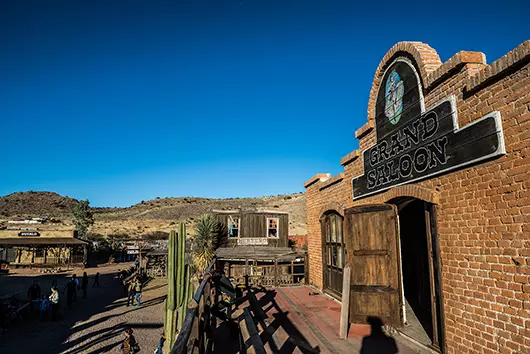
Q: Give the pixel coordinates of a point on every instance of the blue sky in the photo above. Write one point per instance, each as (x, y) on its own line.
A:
(123, 101)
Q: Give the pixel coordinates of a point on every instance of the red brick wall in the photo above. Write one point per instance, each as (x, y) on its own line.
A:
(483, 211)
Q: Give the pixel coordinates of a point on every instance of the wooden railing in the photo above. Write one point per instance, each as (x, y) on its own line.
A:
(195, 335)
(277, 274)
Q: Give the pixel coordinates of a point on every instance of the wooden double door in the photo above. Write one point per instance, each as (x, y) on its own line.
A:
(373, 251)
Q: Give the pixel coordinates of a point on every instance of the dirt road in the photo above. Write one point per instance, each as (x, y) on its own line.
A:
(95, 324)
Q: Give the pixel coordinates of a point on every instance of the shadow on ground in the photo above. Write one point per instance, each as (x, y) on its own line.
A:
(49, 337)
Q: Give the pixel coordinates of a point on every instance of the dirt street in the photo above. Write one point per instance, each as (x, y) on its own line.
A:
(93, 325)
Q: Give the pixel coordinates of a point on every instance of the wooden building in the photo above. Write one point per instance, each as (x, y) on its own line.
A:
(431, 214)
(258, 248)
(43, 245)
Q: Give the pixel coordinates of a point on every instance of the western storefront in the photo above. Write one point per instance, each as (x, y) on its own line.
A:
(432, 212)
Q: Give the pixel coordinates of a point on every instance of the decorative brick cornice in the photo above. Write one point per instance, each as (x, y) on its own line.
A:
(352, 156)
(365, 129)
(321, 177)
(332, 180)
(458, 60)
(511, 58)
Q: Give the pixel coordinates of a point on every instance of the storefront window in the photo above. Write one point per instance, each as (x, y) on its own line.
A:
(272, 227)
(233, 226)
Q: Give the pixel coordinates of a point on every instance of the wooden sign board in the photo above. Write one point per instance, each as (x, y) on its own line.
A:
(252, 241)
(413, 144)
(28, 233)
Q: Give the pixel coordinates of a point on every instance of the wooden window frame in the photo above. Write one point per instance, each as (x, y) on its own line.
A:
(277, 227)
(231, 219)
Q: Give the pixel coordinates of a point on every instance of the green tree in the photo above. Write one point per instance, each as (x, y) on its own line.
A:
(83, 218)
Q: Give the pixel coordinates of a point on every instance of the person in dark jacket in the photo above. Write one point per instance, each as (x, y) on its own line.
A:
(70, 291)
(76, 287)
(96, 280)
(84, 284)
(34, 296)
(129, 345)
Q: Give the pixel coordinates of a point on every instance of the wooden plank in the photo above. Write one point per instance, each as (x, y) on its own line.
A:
(345, 304)
(372, 234)
(435, 339)
(306, 268)
(256, 344)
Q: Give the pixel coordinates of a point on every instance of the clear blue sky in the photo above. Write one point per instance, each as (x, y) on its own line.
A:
(123, 101)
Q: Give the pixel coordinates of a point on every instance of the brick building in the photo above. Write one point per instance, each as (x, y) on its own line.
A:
(432, 212)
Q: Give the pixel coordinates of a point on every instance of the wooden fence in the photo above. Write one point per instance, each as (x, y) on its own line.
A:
(195, 334)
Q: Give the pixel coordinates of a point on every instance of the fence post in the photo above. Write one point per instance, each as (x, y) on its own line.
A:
(306, 268)
(275, 271)
(345, 306)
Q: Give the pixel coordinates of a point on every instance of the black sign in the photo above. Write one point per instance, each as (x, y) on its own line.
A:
(412, 146)
(28, 233)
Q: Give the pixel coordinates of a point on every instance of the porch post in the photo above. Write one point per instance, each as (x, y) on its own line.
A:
(345, 305)
(85, 255)
(275, 272)
(306, 268)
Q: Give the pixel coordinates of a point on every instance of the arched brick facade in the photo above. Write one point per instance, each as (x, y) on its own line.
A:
(426, 59)
(483, 209)
(411, 190)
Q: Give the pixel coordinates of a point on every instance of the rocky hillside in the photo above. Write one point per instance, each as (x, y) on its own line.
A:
(36, 204)
(159, 214)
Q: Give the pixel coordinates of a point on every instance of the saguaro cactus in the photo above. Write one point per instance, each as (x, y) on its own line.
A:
(179, 289)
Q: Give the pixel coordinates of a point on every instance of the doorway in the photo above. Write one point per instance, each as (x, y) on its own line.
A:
(420, 269)
(332, 253)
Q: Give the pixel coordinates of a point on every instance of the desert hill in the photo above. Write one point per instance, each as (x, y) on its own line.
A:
(160, 214)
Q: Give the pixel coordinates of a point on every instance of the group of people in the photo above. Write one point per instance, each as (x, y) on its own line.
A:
(50, 303)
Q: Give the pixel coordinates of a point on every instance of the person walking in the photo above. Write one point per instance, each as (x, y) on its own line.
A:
(84, 284)
(76, 286)
(96, 280)
(33, 296)
(130, 292)
(138, 291)
(54, 300)
(44, 308)
(70, 291)
(129, 344)
(160, 348)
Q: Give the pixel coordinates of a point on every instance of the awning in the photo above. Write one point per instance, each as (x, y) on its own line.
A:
(38, 241)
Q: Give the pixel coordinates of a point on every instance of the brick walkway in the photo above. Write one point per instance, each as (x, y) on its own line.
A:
(312, 322)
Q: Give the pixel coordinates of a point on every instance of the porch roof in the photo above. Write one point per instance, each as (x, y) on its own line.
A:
(29, 241)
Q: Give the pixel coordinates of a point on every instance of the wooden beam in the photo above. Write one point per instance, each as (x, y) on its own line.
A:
(345, 306)
(275, 271)
(306, 268)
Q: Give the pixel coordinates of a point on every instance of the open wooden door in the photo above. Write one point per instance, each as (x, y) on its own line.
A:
(372, 234)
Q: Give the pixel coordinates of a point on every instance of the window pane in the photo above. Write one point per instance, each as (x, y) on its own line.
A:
(339, 229)
(334, 255)
(333, 229)
(327, 228)
(339, 256)
(329, 255)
